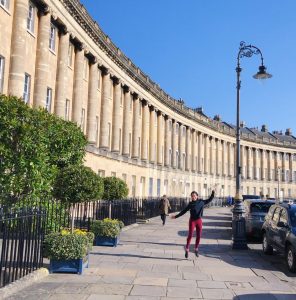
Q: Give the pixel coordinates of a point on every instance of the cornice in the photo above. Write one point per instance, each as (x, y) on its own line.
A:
(92, 29)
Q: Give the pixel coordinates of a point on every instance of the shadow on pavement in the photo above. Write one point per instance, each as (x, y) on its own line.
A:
(266, 296)
(226, 218)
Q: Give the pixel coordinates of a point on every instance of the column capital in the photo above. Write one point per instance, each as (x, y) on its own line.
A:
(135, 95)
(145, 102)
(116, 80)
(105, 70)
(126, 88)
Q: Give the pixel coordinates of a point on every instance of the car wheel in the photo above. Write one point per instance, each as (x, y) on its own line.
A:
(267, 249)
(291, 258)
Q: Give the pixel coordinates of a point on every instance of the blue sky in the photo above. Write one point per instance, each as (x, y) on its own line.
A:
(190, 47)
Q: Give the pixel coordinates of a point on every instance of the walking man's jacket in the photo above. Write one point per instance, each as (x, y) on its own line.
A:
(196, 208)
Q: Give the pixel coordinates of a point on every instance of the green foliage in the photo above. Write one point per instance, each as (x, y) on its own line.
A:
(107, 227)
(65, 245)
(34, 145)
(77, 184)
(114, 188)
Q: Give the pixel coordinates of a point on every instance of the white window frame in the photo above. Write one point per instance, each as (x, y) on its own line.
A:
(27, 88)
(31, 17)
(2, 66)
(52, 37)
(48, 99)
(67, 110)
(4, 4)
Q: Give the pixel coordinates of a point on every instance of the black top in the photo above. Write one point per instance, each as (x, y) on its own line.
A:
(196, 208)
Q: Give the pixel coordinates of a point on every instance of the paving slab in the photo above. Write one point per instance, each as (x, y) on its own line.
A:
(149, 264)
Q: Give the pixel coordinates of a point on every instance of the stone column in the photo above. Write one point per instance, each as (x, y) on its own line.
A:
(42, 68)
(174, 143)
(145, 131)
(193, 151)
(62, 76)
(268, 157)
(160, 138)
(106, 111)
(229, 159)
(206, 154)
(188, 149)
(18, 43)
(218, 158)
(223, 149)
(200, 153)
(127, 113)
(136, 126)
(242, 161)
(152, 144)
(117, 116)
(168, 141)
(181, 146)
(290, 167)
(283, 177)
(212, 155)
(249, 163)
(77, 85)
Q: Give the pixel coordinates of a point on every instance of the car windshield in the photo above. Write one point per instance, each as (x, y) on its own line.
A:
(293, 217)
(260, 207)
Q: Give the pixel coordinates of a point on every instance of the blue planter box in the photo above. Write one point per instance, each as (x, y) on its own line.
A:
(68, 266)
(106, 241)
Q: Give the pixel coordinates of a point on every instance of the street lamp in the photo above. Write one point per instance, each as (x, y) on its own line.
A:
(238, 222)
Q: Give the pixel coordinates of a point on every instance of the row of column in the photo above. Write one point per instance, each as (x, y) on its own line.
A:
(124, 122)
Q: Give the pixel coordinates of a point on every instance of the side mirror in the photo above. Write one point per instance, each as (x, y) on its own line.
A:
(283, 225)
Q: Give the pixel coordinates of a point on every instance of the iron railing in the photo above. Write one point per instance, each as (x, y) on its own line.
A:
(21, 237)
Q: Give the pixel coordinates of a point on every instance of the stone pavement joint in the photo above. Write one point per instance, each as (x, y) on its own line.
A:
(149, 264)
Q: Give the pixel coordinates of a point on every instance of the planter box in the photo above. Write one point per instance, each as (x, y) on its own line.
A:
(69, 266)
(106, 241)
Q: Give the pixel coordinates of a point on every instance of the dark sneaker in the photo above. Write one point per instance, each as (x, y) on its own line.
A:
(196, 253)
(186, 253)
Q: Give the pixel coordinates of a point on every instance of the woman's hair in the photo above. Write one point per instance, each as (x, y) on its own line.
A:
(194, 192)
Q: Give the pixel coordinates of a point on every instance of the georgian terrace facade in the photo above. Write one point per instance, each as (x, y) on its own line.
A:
(53, 55)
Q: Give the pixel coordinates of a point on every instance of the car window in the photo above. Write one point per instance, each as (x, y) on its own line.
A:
(260, 207)
(276, 214)
(293, 217)
(284, 216)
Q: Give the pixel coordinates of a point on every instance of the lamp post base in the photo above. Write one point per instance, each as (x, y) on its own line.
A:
(239, 240)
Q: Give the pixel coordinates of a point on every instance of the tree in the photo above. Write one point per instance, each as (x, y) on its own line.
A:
(34, 146)
(76, 184)
(114, 188)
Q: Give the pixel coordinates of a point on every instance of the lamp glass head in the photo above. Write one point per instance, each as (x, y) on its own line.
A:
(262, 74)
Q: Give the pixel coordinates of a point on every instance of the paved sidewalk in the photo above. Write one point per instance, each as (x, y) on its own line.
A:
(149, 264)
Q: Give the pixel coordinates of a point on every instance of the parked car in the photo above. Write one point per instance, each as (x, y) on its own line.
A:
(245, 197)
(256, 210)
(279, 232)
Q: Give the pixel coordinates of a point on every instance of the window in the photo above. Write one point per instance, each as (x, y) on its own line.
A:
(52, 37)
(113, 174)
(70, 54)
(284, 216)
(2, 65)
(82, 121)
(158, 187)
(4, 3)
(124, 177)
(27, 86)
(48, 99)
(101, 173)
(133, 185)
(287, 175)
(31, 18)
(150, 187)
(67, 110)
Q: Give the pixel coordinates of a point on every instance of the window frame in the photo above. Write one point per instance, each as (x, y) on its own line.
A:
(27, 88)
(52, 37)
(31, 21)
(48, 101)
(2, 69)
(5, 4)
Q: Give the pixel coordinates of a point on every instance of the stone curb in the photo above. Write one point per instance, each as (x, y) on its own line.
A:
(25, 281)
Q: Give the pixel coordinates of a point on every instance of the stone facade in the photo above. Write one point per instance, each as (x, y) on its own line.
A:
(55, 56)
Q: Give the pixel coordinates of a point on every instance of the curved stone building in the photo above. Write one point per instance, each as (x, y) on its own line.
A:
(54, 55)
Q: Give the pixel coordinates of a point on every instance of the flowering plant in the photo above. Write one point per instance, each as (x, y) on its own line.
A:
(107, 227)
(65, 245)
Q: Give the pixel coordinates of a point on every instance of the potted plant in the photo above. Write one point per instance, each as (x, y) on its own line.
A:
(106, 231)
(68, 251)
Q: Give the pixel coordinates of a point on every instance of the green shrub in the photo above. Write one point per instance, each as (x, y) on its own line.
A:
(107, 227)
(114, 188)
(65, 245)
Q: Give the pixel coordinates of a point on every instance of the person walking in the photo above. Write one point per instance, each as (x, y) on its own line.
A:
(195, 207)
(164, 207)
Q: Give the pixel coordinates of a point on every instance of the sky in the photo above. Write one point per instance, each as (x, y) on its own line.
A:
(190, 48)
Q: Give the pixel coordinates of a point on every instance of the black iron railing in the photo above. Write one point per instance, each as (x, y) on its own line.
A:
(21, 236)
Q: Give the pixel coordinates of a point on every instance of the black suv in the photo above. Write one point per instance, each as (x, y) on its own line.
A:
(279, 232)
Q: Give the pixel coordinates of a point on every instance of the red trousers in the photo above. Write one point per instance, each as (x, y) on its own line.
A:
(197, 224)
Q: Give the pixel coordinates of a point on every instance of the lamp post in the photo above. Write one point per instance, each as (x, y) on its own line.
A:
(238, 222)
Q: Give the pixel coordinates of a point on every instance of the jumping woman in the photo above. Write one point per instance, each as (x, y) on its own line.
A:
(195, 207)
